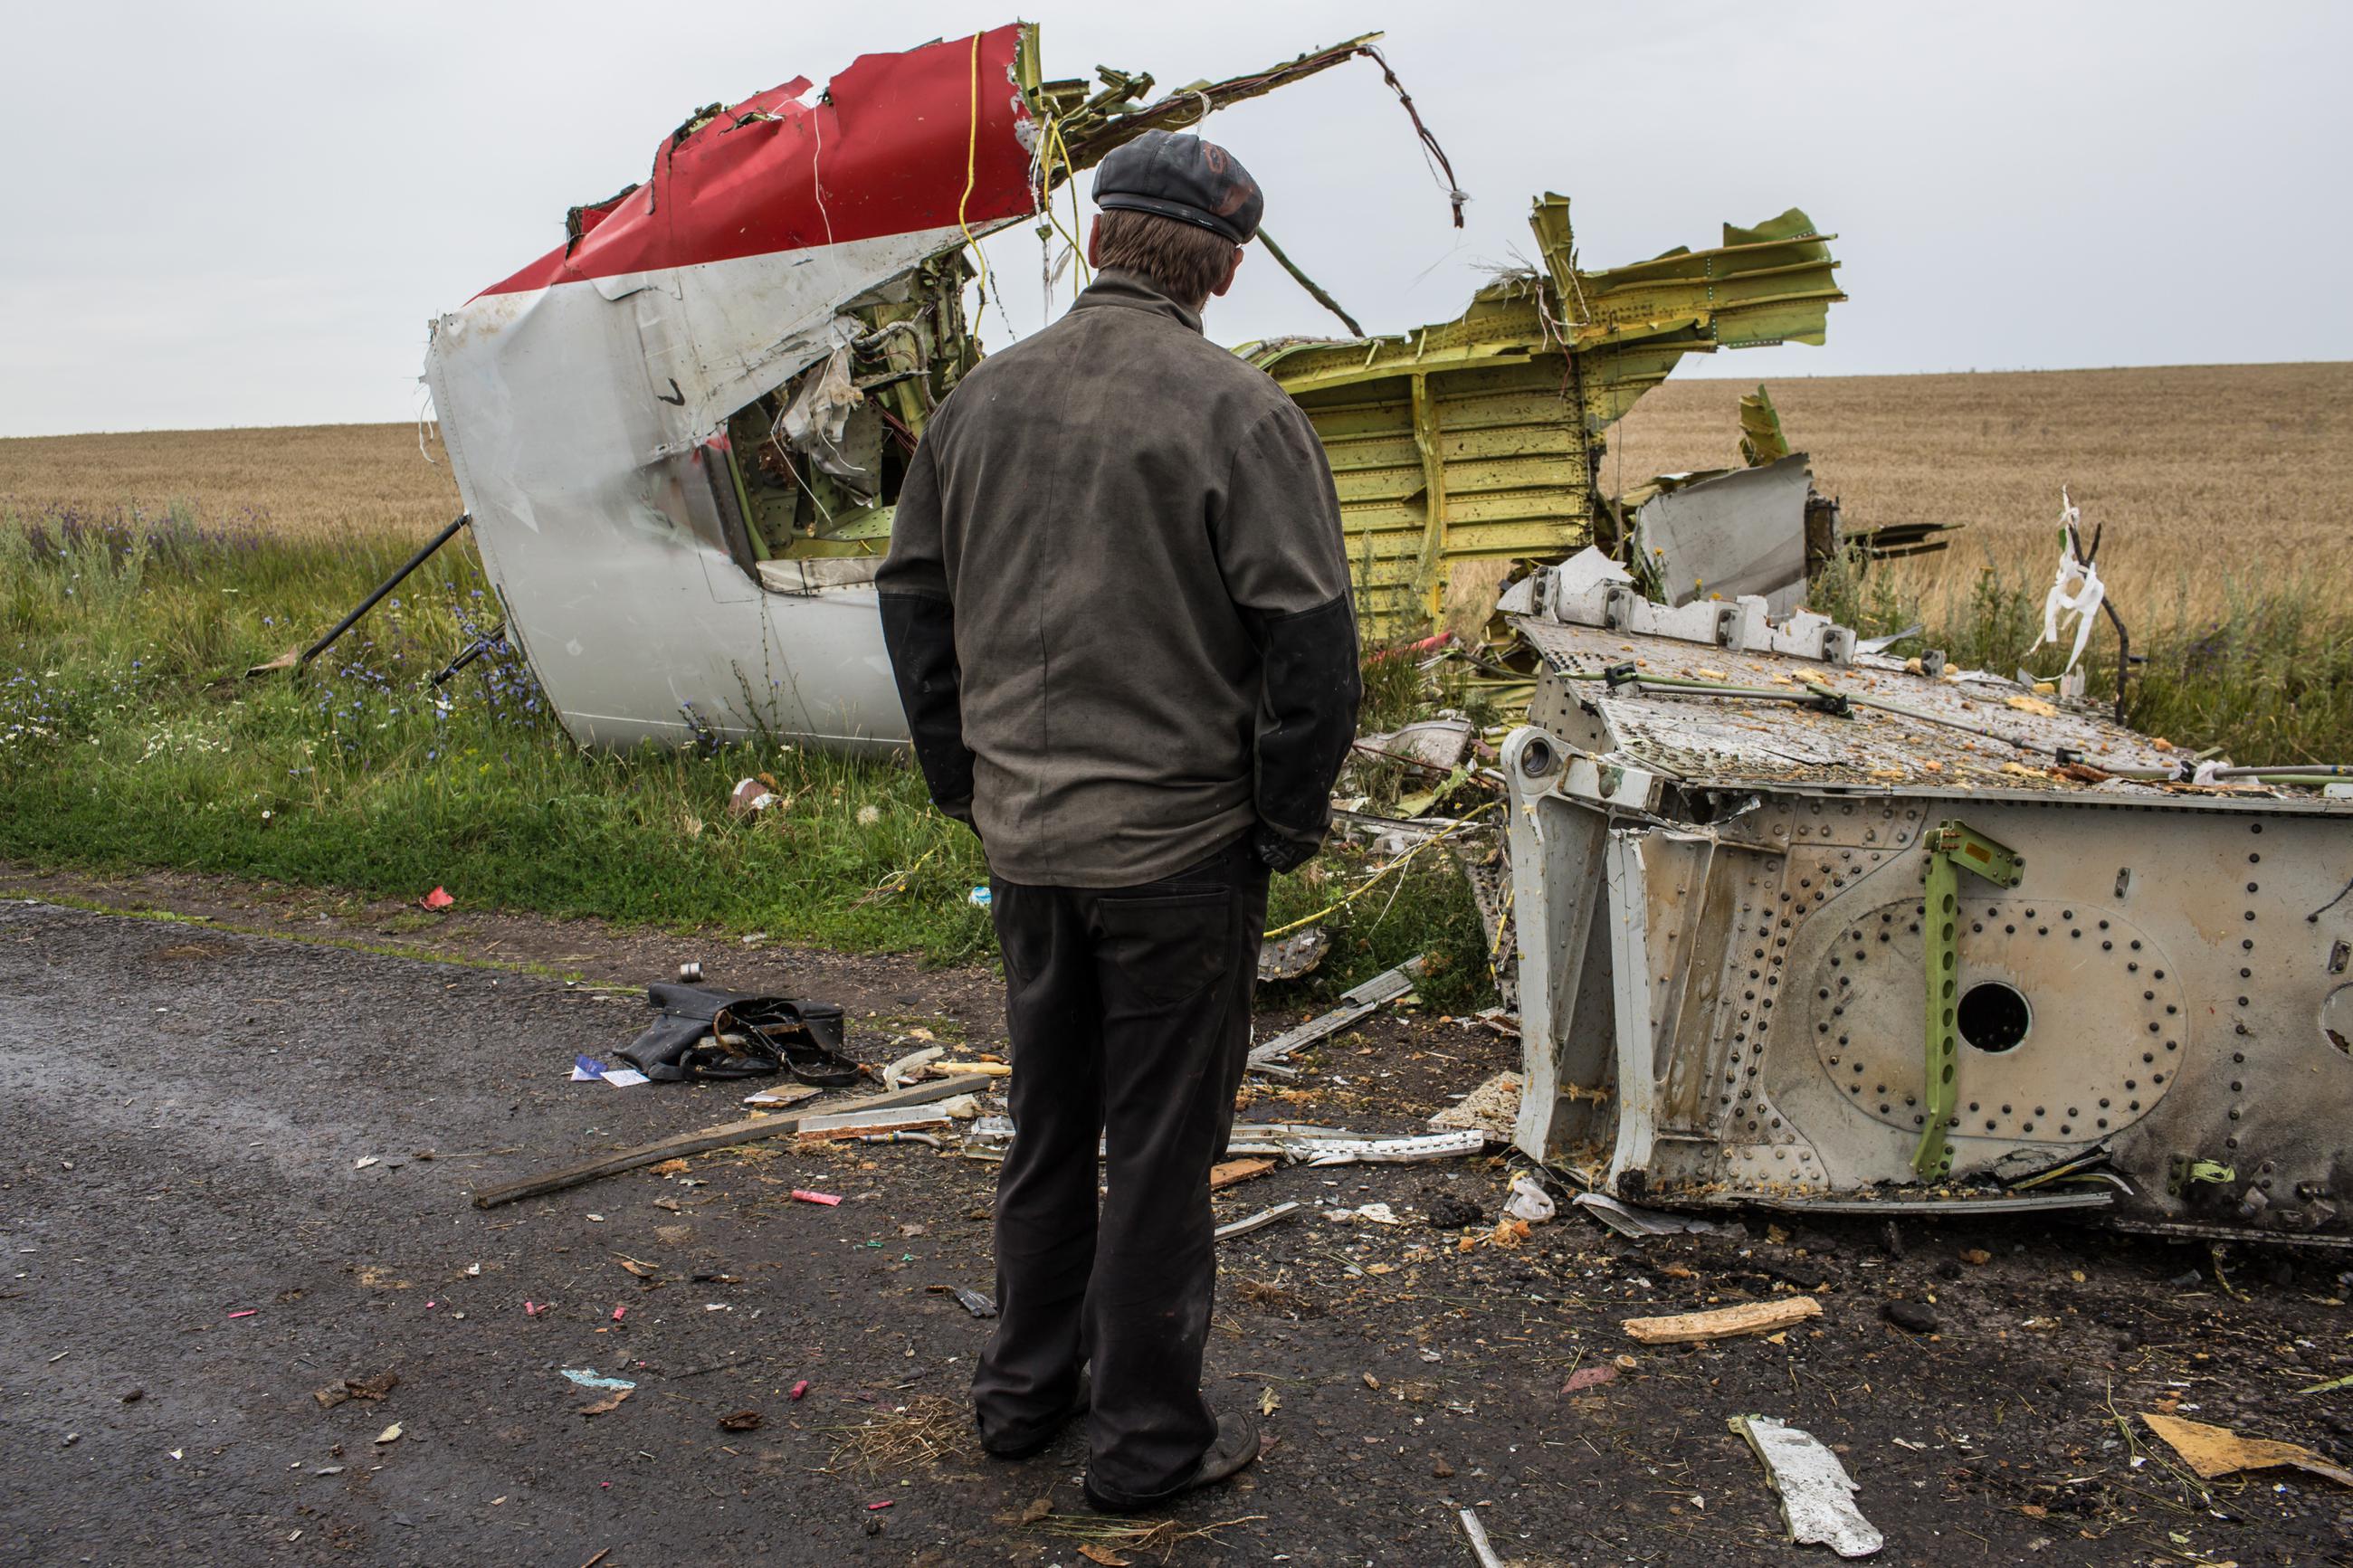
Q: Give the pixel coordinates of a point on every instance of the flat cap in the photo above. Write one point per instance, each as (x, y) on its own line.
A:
(1185, 178)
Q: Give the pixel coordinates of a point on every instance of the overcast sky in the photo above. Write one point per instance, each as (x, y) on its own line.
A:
(243, 213)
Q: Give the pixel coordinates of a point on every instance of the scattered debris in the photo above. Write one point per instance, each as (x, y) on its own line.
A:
(1257, 1221)
(587, 1378)
(749, 798)
(856, 1123)
(1508, 1233)
(1480, 1546)
(1628, 1219)
(1817, 1494)
(698, 1033)
(588, 1070)
(987, 1068)
(782, 1095)
(1529, 1201)
(1378, 992)
(1492, 1108)
(1349, 1149)
(388, 1435)
(608, 1405)
(1587, 1377)
(339, 1390)
(1232, 1172)
(1369, 1214)
(741, 1421)
(1723, 1323)
(1288, 958)
(971, 1300)
(712, 1137)
(1440, 743)
(2212, 1452)
(910, 1067)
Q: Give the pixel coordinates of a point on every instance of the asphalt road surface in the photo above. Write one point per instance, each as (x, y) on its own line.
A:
(235, 1169)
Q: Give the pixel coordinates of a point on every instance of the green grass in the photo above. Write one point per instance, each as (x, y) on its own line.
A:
(2269, 679)
(128, 739)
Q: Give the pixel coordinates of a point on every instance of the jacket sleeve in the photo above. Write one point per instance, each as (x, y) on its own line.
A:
(1286, 569)
(919, 631)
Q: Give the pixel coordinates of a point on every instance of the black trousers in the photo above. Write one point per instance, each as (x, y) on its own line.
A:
(1130, 1013)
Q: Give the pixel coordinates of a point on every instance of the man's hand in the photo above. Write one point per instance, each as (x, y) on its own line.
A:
(1280, 852)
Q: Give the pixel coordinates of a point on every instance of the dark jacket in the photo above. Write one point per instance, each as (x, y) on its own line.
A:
(1118, 601)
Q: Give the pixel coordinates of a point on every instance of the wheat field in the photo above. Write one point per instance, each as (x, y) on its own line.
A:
(2210, 479)
(2213, 481)
(301, 480)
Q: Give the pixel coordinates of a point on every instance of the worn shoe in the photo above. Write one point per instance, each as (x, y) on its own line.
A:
(1236, 1445)
(1031, 1447)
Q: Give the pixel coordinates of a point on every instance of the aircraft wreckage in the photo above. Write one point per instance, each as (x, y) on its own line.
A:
(1829, 931)
(679, 433)
(1797, 925)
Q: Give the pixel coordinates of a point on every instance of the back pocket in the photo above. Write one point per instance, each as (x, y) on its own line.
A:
(1167, 945)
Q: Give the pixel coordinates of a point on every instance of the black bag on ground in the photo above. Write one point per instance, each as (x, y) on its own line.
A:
(698, 1033)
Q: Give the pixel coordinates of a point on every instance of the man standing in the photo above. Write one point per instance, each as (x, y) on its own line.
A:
(1117, 606)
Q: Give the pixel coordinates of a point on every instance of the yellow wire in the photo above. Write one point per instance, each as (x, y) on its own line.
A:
(971, 158)
(1367, 885)
(1054, 144)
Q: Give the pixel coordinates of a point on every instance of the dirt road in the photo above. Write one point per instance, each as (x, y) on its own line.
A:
(235, 1169)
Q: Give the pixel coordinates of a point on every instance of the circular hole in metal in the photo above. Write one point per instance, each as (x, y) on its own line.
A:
(1994, 1016)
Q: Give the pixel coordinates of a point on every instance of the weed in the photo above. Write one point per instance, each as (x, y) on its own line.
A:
(127, 740)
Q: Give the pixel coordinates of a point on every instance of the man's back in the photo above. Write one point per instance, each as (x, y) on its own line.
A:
(1117, 509)
(1117, 610)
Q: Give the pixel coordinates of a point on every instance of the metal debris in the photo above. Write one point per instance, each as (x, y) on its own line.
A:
(1288, 958)
(1462, 445)
(1817, 1494)
(1361, 1002)
(1257, 1221)
(1724, 850)
(1641, 1223)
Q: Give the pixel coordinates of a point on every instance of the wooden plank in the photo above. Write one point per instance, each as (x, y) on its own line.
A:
(1723, 1323)
(1233, 1171)
(711, 1138)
